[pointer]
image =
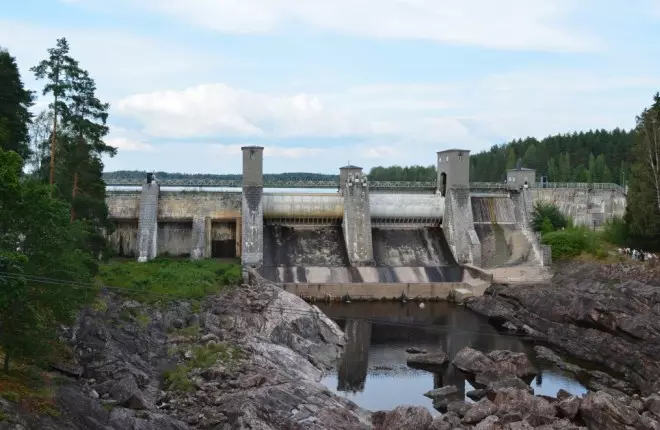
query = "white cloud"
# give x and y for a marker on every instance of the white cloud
(285, 152)
(469, 113)
(124, 144)
(508, 24)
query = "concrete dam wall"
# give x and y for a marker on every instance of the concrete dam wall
(584, 206)
(503, 241)
(317, 254)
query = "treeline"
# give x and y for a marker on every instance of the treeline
(140, 175)
(593, 156)
(53, 220)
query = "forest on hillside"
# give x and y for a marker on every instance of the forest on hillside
(593, 156)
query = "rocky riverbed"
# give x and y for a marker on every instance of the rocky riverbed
(253, 357)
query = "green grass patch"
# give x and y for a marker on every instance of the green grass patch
(167, 279)
(203, 357)
(192, 330)
(30, 387)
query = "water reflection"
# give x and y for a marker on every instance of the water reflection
(373, 371)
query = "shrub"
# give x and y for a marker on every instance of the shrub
(547, 214)
(615, 231)
(572, 242)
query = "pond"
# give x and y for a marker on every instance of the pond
(373, 371)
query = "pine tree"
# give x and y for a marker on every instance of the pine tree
(15, 102)
(56, 69)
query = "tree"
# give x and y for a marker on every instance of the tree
(591, 172)
(56, 69)
(643, 205)
(511, 159)
(530, 159)
(547, 217)
(15, 102)
(40, 130)
(38, 243)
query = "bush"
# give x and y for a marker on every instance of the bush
(574, 241)
(548, 215)
(615, 231)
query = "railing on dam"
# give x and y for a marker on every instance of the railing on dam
(401, 186)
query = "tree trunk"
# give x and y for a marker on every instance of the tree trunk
(6, 366)
(73, 197)
(52, 150)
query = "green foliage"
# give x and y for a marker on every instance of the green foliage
(202, 357)
(165, 279)
(547, 217)
(616, 231)
(573, 242)
(38, 243)
(643, 202)
(15, 102)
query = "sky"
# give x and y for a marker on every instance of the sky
(323, 83)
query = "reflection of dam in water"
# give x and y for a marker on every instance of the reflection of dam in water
(317, 254)
(503, 242)
(373, 371)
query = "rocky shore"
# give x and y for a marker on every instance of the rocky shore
(253, 358)
(608, 315)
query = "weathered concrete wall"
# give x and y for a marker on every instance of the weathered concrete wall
(187, 205)
(458, 226)
(124, 205)
(411, 247)
(378, 291)
(253, 226)
(148, 222)
(124, 240)
(278, 205)
(175, 238)
(582, 205)
(357, 220)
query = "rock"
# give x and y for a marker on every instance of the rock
(477, 394)
(509, 382)
(507, 325)
(569, 407)
(652, 403)
(127, 393)
(535, 410)
(489, 423)
(448, 421)
(497, 363)
(415, 350)
(208, 337)
(407, 417)
(601, 313)
(479, 411)
(441, 392)
(602, 411)
(458, 407)
(519, 425)
(548, 355)
(427, 361)
(93, 394)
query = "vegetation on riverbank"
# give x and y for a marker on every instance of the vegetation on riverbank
(166, 279)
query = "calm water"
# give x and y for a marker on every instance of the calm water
(373, 371)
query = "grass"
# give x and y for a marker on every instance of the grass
(168, 279)
(192, 330)
(203, 357)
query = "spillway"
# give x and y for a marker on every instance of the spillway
(317, 254)
(503, 243)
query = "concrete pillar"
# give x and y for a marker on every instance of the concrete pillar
(357, 215)
(457, 221)
(148, 221)
(253, 210)
(200, 238)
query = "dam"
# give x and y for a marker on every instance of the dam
(346, 237)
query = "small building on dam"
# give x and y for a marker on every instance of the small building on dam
(352, 236)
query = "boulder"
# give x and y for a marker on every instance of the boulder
(601, 411)
(406, 417)
(535, 410)
(427, 361)
(569, 407)
(496, 364)
(479, 411)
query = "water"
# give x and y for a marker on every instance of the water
(373, 371)
(411, 247)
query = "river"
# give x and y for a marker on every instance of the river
(373, 371)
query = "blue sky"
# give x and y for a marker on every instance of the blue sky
(320, 83)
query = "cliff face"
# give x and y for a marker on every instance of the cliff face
(605, 314)
(251, 358)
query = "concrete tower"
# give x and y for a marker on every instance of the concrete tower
(253, 211)
(453, 170)
(148, 220)
(357, 215)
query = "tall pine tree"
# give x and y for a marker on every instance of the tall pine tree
(15, 102)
